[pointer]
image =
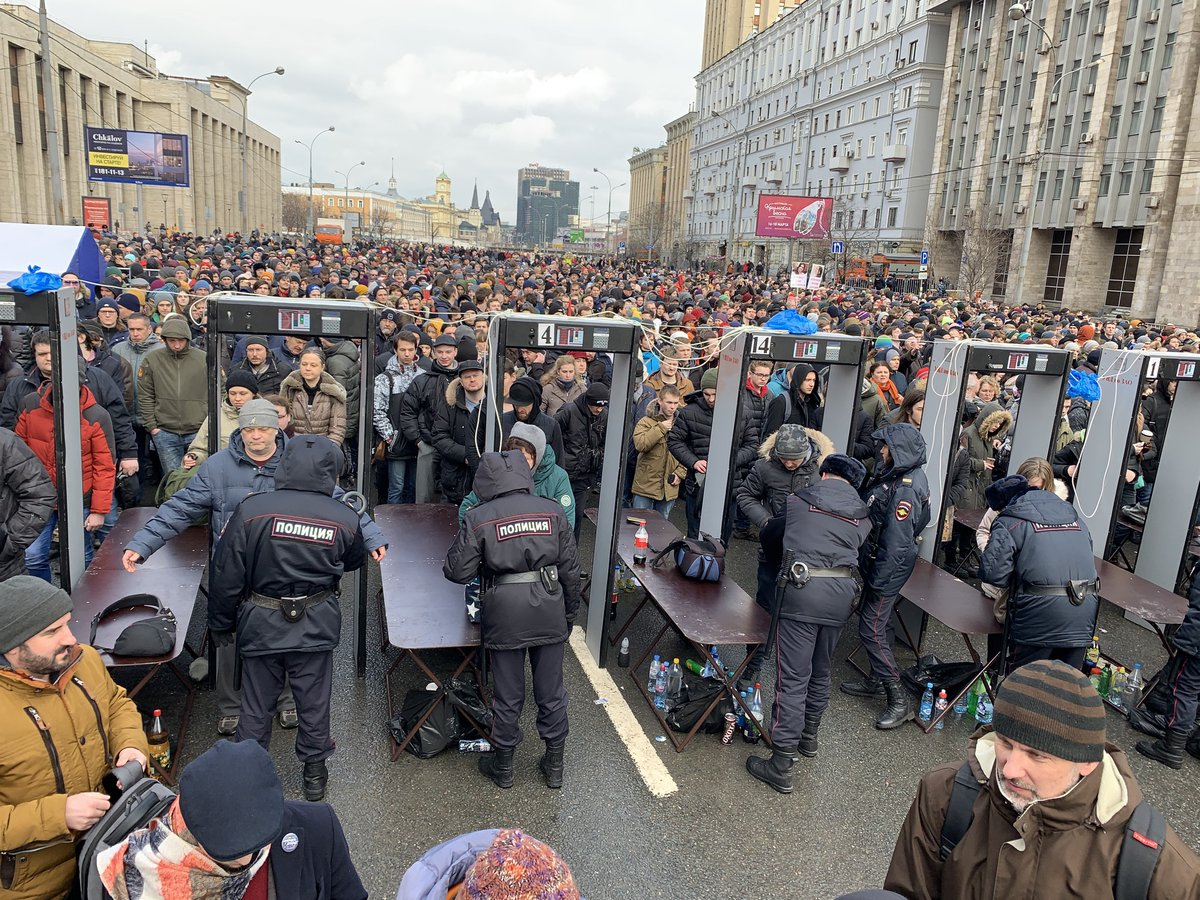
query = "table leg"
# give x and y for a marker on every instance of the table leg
(613, 638)
(398, 747)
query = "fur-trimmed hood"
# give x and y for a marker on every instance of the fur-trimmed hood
(452, 386)
(991, 416)
(823, 444)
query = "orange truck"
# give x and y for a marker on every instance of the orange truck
(329, 231)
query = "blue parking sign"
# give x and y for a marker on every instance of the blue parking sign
(924, 257)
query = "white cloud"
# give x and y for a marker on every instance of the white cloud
(530, 132)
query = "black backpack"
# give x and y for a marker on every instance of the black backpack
(143, 800)
(1145, 833)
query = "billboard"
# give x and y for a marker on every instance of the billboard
(97, 211)
(136, 157)
(803, 218)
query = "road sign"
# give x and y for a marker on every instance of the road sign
(924, 257)
(621, 245)
(837, 247)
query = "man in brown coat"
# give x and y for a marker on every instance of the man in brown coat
(1049, 819)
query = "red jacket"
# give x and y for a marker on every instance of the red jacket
(35, 426)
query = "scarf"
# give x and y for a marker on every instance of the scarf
(164, 862)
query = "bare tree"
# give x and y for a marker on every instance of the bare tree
(295, 212)
(939, 243)
(984, 243)
(381, 221)
(647, 229)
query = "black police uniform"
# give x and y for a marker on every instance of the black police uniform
(274, 580)
(523, 549)
(898, 501)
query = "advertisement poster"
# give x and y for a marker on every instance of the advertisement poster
(97, 213)
(799, 218)
(137, 157)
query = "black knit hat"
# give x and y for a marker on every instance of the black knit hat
(1051, 707)
(243, 379)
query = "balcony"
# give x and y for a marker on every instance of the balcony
(774, 178)
(689, 194)
(895, 153)
(840, 164)
(750, 184)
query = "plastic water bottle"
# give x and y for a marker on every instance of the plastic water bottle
(708, 671)
(654, 666)
(756, 707)
(716, 658)
(939, 707)
(1134, 687)
(660, 687)
(960, 706)
(674, 682)
(926, 711)
(1116, 693)
(741, 712)
(983, 709)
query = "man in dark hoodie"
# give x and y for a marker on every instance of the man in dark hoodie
(419, 408)
(275, 579)
(522, 548)
(898, 500)
(525, 395)
(823, 526)
(584, 423)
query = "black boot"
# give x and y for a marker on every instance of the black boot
(748, 680)
(498, 766)
(776, 771)
(899, 707)
(1168, 749)
(808, 738)
(551, 765)
(867, 687)
(1193, 744)
(316, 776)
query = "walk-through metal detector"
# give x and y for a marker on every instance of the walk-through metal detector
(621, 340)
(842, 354)
(245, 314)
(1045, 371)
(55, 311)
(1111, 430)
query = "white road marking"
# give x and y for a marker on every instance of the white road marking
(645, 757)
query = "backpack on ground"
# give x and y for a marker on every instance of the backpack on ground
(145, 799)
(1145, 833)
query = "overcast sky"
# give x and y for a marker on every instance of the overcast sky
(480, 88)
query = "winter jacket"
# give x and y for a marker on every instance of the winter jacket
(271, 373)
(451, 433)
(583, 440)
(555, 396)
(35, 426)
(1039, 540)
(223, 481)
(888, 394)
(992, 423)
(538, 419)
(27, 497)
(442, 868)
(793, 406)
(293, 541)
(689, 438)
(228, 422)
(898, 500)
(326, 415)
(1156, 412)
(873, 406)
(1062, 847)
(655, 383)
(549, 481)
(767, 486)
(172, 390)
(341, 361)
(1079, 412)
(958, 484)
(513, 532)
(754, 412)
(825, 525)
(89, 719)
(134, 353)
(1187, 638)
(419, 407)
(103, 390)
(657, 474)
(390, 386)
(116, 368)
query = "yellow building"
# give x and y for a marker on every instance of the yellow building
(647, 199)
(447, 223)
(679, 161)
(729, 22)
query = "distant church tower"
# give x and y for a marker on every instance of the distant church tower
(442, 191)
(391, 191)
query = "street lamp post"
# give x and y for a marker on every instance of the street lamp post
(244, 200)
(346, 194)
(608, 216)
(309, 145)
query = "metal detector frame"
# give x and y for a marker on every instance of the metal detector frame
(952, 363)
(55, 311)
(844, 356)
(600, 334)
(1102, 461)
(233, 313)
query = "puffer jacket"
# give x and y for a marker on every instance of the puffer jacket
(690, 437)
(326, 415)
(549, 481)
(107, 394)
(27, 497)
(228, 423)
(1039, 539)
(513, 532)
(442, 868)
(172, 390)
(792, 406)
(767, 486)
(32, 804)
(341, 361)
(873, 405)
(655, 465)
(825, 525)
(583, 440)
(420, 404)
(35, 426)
(451, 432)
(898, 500)
(390, 386)
(116, 368)
(993, 423)
(1070, 840)
(555, 396)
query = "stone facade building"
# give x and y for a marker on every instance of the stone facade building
(647, 200)
(679, 159)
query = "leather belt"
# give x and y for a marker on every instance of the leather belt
(292, 608)
(801, 573)
(526, 577)
(1056, 590)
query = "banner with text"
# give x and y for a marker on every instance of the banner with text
(97, 213)
(137, 157)
(802, 218)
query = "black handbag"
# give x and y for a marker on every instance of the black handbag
(148, 637)
(699, 560)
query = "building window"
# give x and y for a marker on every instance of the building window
(1125, 179)
(14, 80)
(1147, 175)
(877, 213)
(1059, 178)
(1076, 182)
(1056, 270)
(1127, 253)
(1041, 186)
(1169, 51)
(1156, 115)
(1114, 122)
(1065, 137)
(893, 211)
(1003, 254)
(1135, 117)
(1123, 63)
(912, 51)
(907, 97)
(871, 146)
(1105, 179)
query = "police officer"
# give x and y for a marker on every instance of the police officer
(817, 540)
(523, 549)
(898, 500)
(274, 580)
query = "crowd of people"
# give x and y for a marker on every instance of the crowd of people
(287, 432)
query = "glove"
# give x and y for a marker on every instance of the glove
(223, 638)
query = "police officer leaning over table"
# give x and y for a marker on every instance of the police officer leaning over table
(274, 580)
(523, 549)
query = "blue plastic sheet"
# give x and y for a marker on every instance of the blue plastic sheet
(792, 322)
(35, 281)
(1083, 384)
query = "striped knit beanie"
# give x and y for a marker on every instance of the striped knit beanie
(1051, 707)
(519, 867)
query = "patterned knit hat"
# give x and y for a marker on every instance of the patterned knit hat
(1051, 707)
(519, 867)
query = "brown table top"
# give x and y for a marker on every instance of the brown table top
(422, 609)
(956, 604)
(190, 548)
(969, 518)
(706, 612)
(1123, 588)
